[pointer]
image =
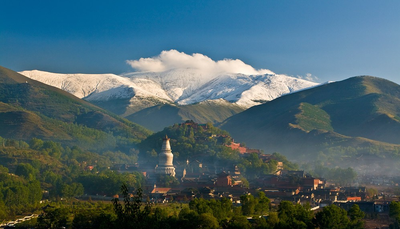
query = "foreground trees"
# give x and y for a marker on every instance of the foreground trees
(131, 214)
(254, 212)
(332, 217)
(294, 216)
(223, 214)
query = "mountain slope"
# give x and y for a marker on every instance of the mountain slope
(180, 86)
(29, 109)
(341, 114)
(157, 117)
(125, 95)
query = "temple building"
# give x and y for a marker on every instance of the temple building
(165, 159)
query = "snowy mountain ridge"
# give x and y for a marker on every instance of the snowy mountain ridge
(181, 86)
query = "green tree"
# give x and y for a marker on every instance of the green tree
(131, 214)
(208, 221)
(356, 216)
(35, 192)
(3, 211)
(220, 209)
(273, 219)
(293, 216)
(188, 218)
(54, 218)
(248, 204)
(262, 206)
(200, 206)
(74, 189)
(332, 217)
(3, 169)
(259, 223)
(239, 222)
(27, 171)
(36, 144)
(394, 210)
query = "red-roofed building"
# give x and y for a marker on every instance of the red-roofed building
(242, 149)
(236, 146)
(257, 151)
(160, 190)
(354, 198)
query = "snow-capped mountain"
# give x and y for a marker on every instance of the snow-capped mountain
(181, 86)
(247, 90)
(100, 87)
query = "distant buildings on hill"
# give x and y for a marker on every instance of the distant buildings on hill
(242, 149)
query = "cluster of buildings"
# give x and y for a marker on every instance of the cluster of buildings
(195, 181)
(198, 181)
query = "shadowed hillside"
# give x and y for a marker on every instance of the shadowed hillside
(360, 113)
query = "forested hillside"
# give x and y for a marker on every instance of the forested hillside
(207, 144)
(35, 169)
(31, 109)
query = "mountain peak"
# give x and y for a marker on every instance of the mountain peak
(182, 86)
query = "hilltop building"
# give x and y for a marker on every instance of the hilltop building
(165, 159)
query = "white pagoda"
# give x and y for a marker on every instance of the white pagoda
(165, 159)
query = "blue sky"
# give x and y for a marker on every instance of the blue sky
(332, 40)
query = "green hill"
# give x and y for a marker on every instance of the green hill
(189, 140)
(193, 144)
(360, 114)
(157, 117)
(30, 109)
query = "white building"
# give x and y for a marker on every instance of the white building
(165, 159)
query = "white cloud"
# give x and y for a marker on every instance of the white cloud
(173, 59)
(308, 77)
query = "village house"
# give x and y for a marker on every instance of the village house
(224, 180)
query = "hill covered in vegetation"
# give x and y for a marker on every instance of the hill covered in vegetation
(208, 145)
(32, 109)
(35, 169)
(340, 121)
